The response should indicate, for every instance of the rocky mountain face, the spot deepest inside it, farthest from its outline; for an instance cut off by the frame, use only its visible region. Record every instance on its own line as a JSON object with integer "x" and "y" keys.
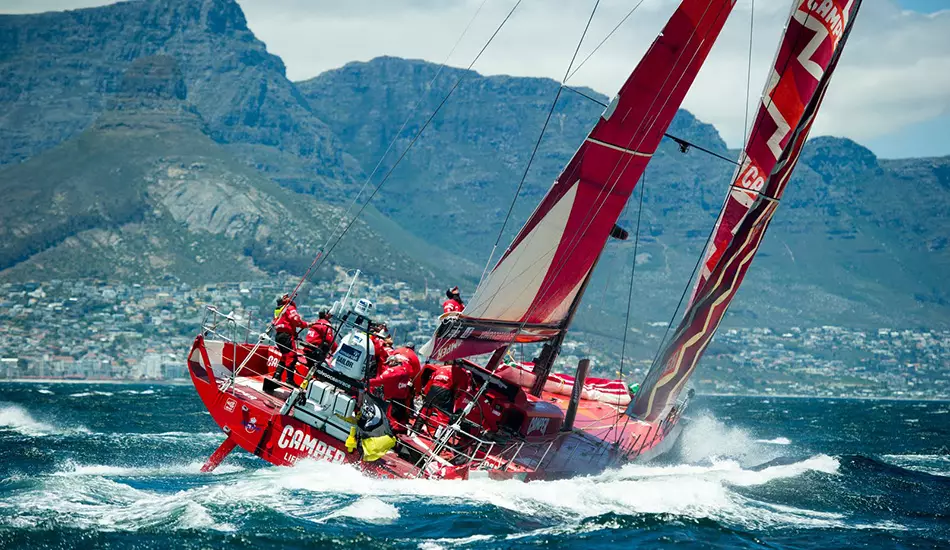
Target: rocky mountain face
{"x": 144, "y": 195}
{"x": 854, "y": 242}
{"x": 144, "y": 139}
{"x": 60, "y": 71}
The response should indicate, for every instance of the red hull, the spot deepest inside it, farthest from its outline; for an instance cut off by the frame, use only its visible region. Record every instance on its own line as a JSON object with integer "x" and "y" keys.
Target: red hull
{"x": 602, "y": 437}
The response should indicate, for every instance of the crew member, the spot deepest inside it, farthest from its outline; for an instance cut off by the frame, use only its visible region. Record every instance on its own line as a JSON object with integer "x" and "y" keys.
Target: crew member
{"x": 411, "y": 359}
{"x": 320, "y": 340}
{"x": 281, "y": 302}
{"x": 442, "y": 390}
{"x": 393, "y": 384}
{"x": 379, "y": 336}
{"x": 453, "y": 302}
{"x": 287, "y": 324}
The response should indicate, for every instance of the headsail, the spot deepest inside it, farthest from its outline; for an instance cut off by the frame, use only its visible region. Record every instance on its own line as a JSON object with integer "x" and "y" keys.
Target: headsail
{"x": 529, "y": 294}
{"x": 814, "y": 38}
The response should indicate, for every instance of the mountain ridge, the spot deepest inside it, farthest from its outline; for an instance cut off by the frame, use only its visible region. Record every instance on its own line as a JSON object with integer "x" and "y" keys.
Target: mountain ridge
{"x": 858, "y": 240}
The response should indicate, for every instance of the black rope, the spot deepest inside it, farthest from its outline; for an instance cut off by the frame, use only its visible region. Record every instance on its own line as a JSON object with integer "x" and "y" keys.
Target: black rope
{"x": 582, "y": 94}
{"x": 685, "y": 145}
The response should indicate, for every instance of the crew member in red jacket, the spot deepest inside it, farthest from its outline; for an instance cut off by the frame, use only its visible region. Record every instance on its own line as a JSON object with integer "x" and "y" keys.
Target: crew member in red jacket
{"x": 379, "y": 336}
{"x": 287, "y": 325}
{"x": 394, "y": 385}
{"x": 453, "y": 302}
{"x": 320, "y": 340}
{"x": 411, "y": 359}
{"x": 442, "y": 391}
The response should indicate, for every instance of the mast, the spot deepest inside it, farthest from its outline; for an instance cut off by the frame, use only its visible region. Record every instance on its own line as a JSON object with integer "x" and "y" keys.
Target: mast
{"x": 531, "y": 294}
{"x": 814, "y": 38}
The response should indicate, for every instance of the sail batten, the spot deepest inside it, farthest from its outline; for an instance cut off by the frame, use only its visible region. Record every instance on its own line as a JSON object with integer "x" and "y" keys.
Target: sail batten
{"x": 543, "y": 271}
{"x": 807, "y": 56}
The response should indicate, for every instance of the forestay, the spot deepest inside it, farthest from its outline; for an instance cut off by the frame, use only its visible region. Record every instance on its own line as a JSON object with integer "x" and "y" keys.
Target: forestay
{"x": 814, "y": 38}
{"x": 529, "y": 294}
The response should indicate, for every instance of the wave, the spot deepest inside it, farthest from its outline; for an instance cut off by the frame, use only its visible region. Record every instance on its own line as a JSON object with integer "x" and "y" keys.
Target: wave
{"x": 72, "y": 469}
{"x": 137, "y": 392}
{"x": 706, "y": 436}
{"x": 103, "y": 504}
{"x": 99, "y": 496}
{"x": 45, "y": 392}
{"x": 18, "y": 419}
{"x": 776, "y": 441}
{"x": 92, "y": 393}
{"x": 933, "y": 464}
{"x": 682, "y": 490}
{"x": 368, "y": 509}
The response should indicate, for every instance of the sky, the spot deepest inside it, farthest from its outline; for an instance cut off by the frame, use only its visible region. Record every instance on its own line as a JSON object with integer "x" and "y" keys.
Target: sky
{"x": 891, "y": 91}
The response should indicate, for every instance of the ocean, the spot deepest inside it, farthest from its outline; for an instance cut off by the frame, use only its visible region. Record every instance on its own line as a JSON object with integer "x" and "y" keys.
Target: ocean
{"x": 117, "y": 466}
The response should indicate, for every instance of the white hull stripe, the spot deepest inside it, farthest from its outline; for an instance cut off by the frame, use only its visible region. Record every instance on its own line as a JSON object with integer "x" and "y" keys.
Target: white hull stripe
{"x": 616, "y": 148}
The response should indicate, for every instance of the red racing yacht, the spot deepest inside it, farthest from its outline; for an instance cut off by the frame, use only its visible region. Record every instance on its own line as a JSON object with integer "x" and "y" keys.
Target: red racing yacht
{"x": 509, "y": 419}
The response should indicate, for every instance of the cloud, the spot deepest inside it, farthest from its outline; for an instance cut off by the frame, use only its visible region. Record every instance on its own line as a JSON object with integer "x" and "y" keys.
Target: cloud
{"x": 895, "y": 73}
{"x": 39, "y": 6}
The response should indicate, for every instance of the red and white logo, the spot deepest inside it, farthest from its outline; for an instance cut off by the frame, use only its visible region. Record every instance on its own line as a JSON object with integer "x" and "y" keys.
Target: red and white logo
{"x": 229, "y": 405}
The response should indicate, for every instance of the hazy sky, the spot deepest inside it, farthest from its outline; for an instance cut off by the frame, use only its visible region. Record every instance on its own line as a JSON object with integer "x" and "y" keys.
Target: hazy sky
{"x": 891, "y": 91}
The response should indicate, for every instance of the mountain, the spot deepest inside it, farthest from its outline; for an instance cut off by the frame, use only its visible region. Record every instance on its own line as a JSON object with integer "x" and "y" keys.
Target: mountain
{"x": 60, "y": 70}
{"x": 145, "y": 194}
{"x": 114, "y": 171}
{"x": 858, "y": 240}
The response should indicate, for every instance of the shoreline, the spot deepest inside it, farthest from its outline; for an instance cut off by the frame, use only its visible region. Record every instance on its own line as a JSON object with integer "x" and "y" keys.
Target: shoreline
{"x": 181, "y": 382}
{"x": 851, "y": 397}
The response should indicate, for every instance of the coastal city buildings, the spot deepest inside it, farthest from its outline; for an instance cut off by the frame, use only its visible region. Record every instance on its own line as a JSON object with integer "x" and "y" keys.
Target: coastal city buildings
{"x": 89, "y": 330}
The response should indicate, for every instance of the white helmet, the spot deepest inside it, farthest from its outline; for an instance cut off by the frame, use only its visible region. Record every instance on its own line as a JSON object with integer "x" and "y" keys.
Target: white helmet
{"x": 364, "y": 307}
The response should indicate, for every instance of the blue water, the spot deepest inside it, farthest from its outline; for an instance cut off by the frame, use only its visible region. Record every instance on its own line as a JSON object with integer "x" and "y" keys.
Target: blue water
{"x": 117, "y": 466}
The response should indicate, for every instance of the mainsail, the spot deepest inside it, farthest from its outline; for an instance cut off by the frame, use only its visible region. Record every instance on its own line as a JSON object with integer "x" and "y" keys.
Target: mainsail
{"x": 814, "y": 38}
{"x": 530, "y": 293}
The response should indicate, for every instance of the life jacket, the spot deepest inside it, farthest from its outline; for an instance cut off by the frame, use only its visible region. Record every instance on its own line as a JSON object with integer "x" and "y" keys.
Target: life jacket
{"x": 289, "y": 320}
{"x": 452, "y": 305}
{"x": 394, "y": 381}
{"x": 411, "y": 360}
{"x": 444, "y": 385}
{"x": 320, "y": 332}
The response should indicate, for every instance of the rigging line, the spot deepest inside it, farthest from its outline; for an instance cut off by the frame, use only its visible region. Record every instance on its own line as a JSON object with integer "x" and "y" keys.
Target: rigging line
{"x": 537, "y": 144}
{"x": 600, "y": 202}
{"x": 589, "y": 216}
{"x": 582, "y": 94}
{"x": 686, "y": 144}
{"x": 604, "y": 194}
{"x": 420, "y": 131}
{"x": 748, "y": 77}
{"x": 412, "y": 113}
{"x": 680, "y": 303}
{"x": 680, "y": 141}
{"x": 633, "y": 270}
{"x": 743, "y": 154}
{"x": 602, "y": 42}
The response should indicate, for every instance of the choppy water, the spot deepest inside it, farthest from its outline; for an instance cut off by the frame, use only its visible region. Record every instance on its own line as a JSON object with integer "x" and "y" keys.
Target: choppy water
{"x": 118, "y": 466}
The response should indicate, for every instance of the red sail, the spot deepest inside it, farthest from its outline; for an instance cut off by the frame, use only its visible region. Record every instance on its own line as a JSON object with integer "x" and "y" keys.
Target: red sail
{"x": 535, "y": 283}
{"x": 813, "y": 41}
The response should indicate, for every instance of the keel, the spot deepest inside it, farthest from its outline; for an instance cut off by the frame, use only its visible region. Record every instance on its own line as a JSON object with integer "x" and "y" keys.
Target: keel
{"x": 219, "y": 455}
